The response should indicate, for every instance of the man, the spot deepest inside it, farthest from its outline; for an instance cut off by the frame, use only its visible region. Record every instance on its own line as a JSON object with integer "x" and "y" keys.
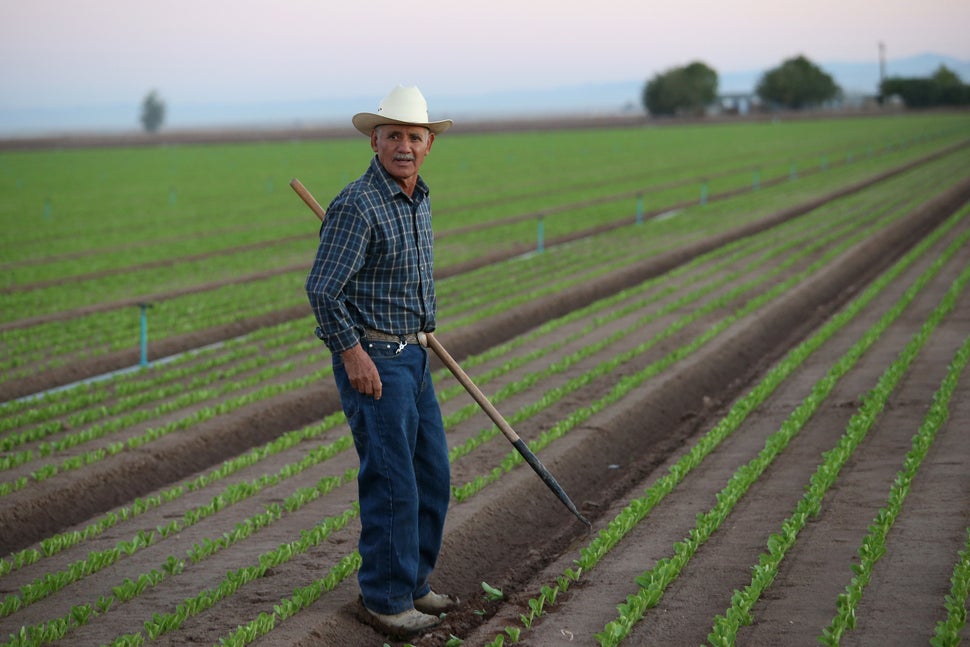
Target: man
{"x": 372, "y": 290}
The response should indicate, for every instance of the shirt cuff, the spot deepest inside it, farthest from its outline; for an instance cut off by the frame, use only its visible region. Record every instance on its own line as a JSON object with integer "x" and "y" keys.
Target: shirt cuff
{"x": 340, "y": 342}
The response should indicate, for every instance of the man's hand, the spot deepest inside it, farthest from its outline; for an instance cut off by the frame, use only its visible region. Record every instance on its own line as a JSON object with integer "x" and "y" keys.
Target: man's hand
{"x": 362, "y": 371}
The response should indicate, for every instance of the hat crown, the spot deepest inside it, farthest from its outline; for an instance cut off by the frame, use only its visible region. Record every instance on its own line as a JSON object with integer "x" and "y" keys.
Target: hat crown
{"x": 404, "y": 104}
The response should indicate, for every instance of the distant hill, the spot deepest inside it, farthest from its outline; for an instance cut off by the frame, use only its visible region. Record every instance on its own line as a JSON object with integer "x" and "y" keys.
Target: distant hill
{"x": 588, "y": 98}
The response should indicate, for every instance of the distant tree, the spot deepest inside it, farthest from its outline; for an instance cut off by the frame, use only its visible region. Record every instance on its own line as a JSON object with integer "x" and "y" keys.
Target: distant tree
{"x": 944, "y": 88}
{"x": 152, "y": 112}
{"x": 797, "y": 83}
{"x": 953, "y": 92}
{"x": 915, "y": 93}
{"x": 681, "y": 90}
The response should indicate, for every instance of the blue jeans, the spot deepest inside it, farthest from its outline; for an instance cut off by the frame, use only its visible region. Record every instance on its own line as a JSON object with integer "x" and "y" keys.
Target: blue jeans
{"x": 404, "y": 483}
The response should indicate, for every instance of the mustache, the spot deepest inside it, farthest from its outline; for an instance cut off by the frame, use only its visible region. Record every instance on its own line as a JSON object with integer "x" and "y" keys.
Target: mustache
{"x": 404, "y": 157}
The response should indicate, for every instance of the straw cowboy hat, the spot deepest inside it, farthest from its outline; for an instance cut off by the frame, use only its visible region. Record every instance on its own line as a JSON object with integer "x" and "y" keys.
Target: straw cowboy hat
{"x": 402, "y": 105}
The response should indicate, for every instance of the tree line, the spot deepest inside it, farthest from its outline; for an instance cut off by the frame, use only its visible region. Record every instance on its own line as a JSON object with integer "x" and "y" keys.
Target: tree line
{"x": 944, "y": 88}
{"x": 796, "y": 84}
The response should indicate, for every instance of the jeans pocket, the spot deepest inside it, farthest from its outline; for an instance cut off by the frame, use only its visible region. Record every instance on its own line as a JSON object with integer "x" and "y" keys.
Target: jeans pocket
{"x": 382, "y": 350}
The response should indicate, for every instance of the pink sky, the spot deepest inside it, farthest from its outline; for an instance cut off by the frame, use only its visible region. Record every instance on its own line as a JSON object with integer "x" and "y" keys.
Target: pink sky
{"x": 92, "y": 52}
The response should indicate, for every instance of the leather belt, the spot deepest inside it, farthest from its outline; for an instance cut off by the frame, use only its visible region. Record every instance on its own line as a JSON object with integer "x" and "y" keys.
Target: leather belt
{"x": 376, "y": 335}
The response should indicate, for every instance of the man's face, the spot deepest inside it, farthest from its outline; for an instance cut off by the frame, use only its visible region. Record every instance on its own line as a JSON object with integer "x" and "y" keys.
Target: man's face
{"x": 401, "y": 150}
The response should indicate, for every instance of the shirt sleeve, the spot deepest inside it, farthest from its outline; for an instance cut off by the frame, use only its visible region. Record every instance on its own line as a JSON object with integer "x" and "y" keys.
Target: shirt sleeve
{"x": 344, "y": 237}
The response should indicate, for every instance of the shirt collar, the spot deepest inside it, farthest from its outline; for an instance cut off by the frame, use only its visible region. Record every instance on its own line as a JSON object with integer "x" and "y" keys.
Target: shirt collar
{"x": 421, "y": 189}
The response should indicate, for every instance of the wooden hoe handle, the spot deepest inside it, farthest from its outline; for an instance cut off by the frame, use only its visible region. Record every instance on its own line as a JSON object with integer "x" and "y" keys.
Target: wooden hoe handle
{"x": 309, "y": 199}
{"x": 429, "y": 340}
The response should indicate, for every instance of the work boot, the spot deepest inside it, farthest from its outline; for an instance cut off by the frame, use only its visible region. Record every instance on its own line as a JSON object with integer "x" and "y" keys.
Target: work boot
{"x": 402, "y": 625}
{"x": 435, "y": 603}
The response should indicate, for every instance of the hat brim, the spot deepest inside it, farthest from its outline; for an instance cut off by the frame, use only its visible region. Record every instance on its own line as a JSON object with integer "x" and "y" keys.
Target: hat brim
{"x": 365, "y": 122}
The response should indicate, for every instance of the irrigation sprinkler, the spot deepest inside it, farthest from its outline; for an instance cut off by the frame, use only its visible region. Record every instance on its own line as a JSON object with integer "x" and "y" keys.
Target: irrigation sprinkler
{"x": 428, "y": 340}
{"x": 144, "y": 332}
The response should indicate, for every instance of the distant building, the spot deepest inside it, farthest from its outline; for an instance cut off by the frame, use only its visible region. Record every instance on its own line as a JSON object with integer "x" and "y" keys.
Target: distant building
{"x": 736, "y": 103}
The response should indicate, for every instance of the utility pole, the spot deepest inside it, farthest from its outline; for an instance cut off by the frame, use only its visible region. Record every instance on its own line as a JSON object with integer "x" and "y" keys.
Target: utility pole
{"x": 882, "y": 68}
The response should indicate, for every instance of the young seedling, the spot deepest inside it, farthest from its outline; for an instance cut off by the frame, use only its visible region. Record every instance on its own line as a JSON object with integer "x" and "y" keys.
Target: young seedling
{"x": 492, "y": 593}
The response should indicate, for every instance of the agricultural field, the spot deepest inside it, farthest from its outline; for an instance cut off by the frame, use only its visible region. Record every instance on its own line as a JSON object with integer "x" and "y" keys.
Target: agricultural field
{"x": 740, "y": 348}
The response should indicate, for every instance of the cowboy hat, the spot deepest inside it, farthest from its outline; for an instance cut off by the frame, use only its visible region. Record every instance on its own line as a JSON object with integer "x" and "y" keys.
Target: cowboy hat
{"x": 402, "y": 105}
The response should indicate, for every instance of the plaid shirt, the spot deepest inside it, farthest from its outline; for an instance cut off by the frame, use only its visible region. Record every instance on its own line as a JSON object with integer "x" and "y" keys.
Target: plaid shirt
{"x": 374, "y": 265}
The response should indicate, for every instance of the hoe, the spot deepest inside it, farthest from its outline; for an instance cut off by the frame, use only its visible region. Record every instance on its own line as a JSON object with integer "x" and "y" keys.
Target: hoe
{"x": 430, "y": 341}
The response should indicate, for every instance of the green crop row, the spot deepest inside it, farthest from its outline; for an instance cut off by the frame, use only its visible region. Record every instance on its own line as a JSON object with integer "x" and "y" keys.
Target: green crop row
{"x": 49, "y": 470}
{"x": 948, "y": 630}
{"x": 168, "y": 316}
{"x": 874, "y": 544}
{"x": 195, "y": 395}
{"x": 56, "y": 543}
{"x": 266, "y": 622}
{"x": 206, "y": 413}
{"x": 782, "y": 249}
{"x": 630, "y": 382}
{"x": 117, "y": 197}
{"x": 575, "y": 217}
{"x": 82, "y": 404}
{"x": 94, "y": 334}
{"x": 97, "y": 431}
{"x": 96, "y": 561}
{"x": 655, "y": 581}
{"x": 497, "y": 296}
{"x": 165, "y": 622}
{"x": 50, "y": 547}
{"x": 639, "y": 508}
{"x": 55, "y": 425}
{"x": 270, "y": 365}
{"x": 34, "y": 300}
{"x": 739, "y": 613}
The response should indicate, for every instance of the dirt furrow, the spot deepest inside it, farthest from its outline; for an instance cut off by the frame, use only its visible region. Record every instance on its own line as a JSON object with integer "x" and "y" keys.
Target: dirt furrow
{"x": 818, "y": 568}
{"x": 46, "y": 508}
{"x": 513, "y": 529}
{"x": 511, "y": 534}
{"x": 820, "y": 564}
{"x": 921, "y": 549}
{"x": 595, "y": 602}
